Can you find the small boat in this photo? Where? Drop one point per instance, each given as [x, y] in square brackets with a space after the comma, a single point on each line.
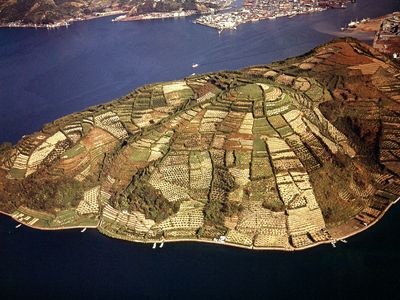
[84, 229]
[352, 24]
[192, 74]
[118, 18]
[195, 65]
[162, 244]
[343, 241]
[220, 239]
[333, 244]
[18, 226]
[154, 245]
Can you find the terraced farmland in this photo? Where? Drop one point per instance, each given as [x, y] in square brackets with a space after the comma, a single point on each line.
[284, 156]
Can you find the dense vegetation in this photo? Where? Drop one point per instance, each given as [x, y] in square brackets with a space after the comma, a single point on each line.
[165, 6]
[273, 204]
[5, 146]
[143, 197]
[43, 193]
[218, 207]
[151, 202]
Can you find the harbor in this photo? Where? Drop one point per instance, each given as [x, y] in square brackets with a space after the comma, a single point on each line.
[256, 10]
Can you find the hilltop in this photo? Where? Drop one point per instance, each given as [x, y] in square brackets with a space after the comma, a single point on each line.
[282, 156]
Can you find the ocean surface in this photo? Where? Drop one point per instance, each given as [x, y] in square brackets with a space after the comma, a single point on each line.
[47, 74]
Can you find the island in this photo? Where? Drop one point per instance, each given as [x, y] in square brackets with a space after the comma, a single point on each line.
[284, 156]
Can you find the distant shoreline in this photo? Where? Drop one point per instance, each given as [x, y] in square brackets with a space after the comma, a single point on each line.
[60, 24]
[364, 30]
[156, 16]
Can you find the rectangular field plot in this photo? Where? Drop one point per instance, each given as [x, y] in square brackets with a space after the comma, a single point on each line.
[271, 240]
[262, 127]
[236, 237]
[257, 219]
[110, 122]
[261, 168]
[74, 151]
[305, 156]
[242, 159]
[259, 145]
[303, 220]
[16, 173]
[177, 92]
[135, 221]
[140, 154]
[43, 150]
[172, 192]
[33, 217]
[189, 217]
[89, 204]
[200, 170]
[300, 240]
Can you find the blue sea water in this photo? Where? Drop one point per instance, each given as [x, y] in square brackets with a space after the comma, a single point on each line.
[74, 265]
[47, 74]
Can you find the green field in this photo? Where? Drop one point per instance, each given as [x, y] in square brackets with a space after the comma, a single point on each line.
[74, 151]
[140, 154]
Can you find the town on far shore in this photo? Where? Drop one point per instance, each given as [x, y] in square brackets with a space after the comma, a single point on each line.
[218, 14]
[256, 10]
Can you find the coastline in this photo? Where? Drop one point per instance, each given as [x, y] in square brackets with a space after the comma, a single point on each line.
[48, 228]
[333, 240]
[233, 19]
[157, 16]
[193, 238]
[64, 23]
[366, 29]
[71, 264]
[291, 249]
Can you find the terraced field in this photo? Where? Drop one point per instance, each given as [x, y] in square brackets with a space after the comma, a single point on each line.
[284, 156]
